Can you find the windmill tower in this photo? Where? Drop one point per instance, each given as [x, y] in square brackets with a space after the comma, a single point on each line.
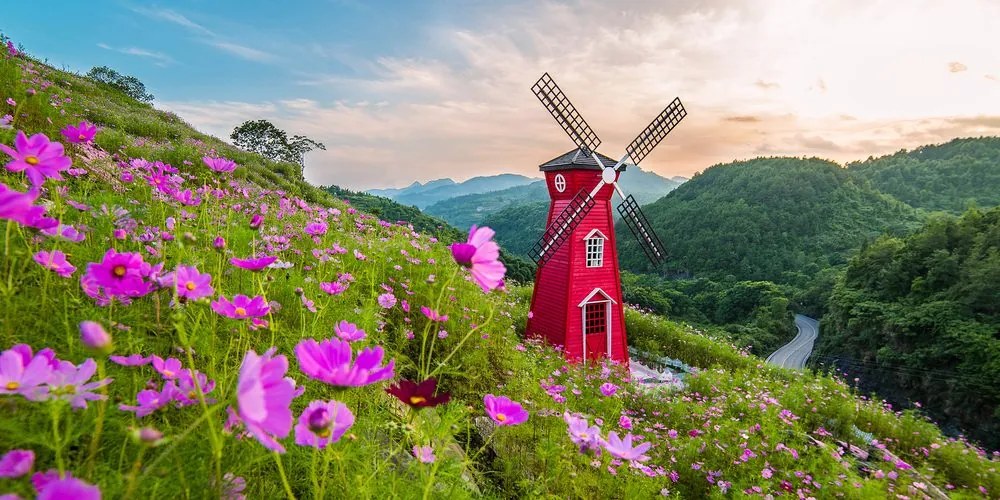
[577, 300]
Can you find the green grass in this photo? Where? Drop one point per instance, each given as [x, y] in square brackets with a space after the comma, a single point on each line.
[483, 353]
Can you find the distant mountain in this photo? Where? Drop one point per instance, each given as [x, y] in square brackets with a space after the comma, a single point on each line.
[463, 211]
[422, 195]
[768, 219]
[949, 177]
[679, 179]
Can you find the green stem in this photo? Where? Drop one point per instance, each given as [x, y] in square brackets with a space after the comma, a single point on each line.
[56, 442]
[99, 424]
[177, 440]
[425, 364]
[130, 483]
[216, 443]
[443, 363]
[284, 478]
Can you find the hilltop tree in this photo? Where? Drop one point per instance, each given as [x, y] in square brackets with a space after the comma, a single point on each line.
[269, 141]
[127, 84]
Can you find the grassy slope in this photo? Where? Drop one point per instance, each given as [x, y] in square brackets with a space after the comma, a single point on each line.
[723, 402]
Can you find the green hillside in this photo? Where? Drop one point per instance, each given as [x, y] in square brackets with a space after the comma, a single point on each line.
[951, 177]
[768, 219]
[221, 393]
[918, 319]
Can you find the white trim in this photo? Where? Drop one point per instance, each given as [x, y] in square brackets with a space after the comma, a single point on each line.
[607, 328]
[593, 232]
[607, 298]
[559, 182]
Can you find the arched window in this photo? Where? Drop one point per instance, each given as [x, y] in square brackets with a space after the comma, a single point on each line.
[594, 248]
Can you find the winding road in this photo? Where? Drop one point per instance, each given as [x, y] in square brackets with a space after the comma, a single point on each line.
[795, 353]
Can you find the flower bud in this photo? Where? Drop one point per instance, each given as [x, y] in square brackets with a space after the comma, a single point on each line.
[93, 335]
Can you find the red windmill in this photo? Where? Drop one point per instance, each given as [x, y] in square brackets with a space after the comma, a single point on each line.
[577, 300]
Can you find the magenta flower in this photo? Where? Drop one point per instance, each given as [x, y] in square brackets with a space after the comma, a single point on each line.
[169, 368]
[94, 336]
[26, 374]
[19, 207]
[387, 300]
[219, 242]
[254, 263]
[349, 331]
[221, 165]
[55, 261]
[121, 274]
[37, 157]
[433, 315]
[151, 400]
[330, 361]
[188, 283]
[503, 411]
[585, 436]
[333, 287]
[187, 391]
[241, 307]
[263, 397]
[481, 255]
[70, 383]
[608, 389]
[623, 449]
[56, 488]
[256, 221]
[424, 454]
[131, 360]
[82, 133]
[316, 228]
[17, 463]
[322, 423]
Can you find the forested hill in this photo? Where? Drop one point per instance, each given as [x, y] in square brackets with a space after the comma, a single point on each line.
[950, 177]
[768, 219]
[918, 319]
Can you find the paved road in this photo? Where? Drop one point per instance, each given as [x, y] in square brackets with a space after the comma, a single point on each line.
[795, 353]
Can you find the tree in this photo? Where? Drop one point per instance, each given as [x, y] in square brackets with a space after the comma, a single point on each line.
[263, 138]
[127, 84]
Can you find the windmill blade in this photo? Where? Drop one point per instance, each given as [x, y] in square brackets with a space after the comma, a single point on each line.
[643, 232]
[565, 113]
[561, 228]
[656, 131]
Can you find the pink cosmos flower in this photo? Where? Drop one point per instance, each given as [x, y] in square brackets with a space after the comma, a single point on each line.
[241, 307]
[433, 315]
[623, 449]
[349, 331]
[584, 435]
[330, 362]
[188, 283]
[131, 360]
[169, 368]
[82, 133]
[322, 423]
[221, 165]
[254, 263]
[316, 228]
[19, 207]
[264, 395]
[24, 373]
[56, 488]
[187, 391]
[55, 261]
[70, 383]
[151, 400]
[424, 454]
[481, 255]
[503, 411]
[608, 389]
[387, 300]
[94, 336]
[219, 242]
[37, 157]
[256, 221]
[16, 463]
[333, 287]
[121, 274]
[766, 473]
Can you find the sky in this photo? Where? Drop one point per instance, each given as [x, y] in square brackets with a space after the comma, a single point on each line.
[413, 91]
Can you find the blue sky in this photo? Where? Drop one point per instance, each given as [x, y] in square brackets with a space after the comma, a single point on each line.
[404, 91]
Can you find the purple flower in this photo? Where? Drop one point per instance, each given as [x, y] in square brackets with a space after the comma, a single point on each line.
[584, 435]
[241, 307]
[766, 473]
[94, 336]
[316, 228]
[26, 374]
[333, 287]
[233, 487]
[82, 133]
[188, 283]
[151, 400]
[264, 395]
[38, 157]
[70, 383]
[322, 423]
[330, 362]
[481, 255]
[19, 207]
[187, 391]
[221, 165]
[433, 315]
[219, 242]
[121, 274]
[424, 454]
[503, 411]
[17, 463]
[623, 449]
[56, 488]
[131, 360]
[55, 261]
[609, 389]
[254, 263]
[349, 331]
[387, 300]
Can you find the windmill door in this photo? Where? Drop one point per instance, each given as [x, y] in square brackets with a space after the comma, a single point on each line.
[596, 330]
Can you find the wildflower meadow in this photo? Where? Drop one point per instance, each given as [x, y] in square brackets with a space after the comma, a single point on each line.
[182, 319]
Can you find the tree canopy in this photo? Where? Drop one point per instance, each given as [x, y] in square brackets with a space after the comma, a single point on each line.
[127, 84]
[269, 141]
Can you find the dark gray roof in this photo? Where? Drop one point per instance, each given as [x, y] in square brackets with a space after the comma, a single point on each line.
[577, 159]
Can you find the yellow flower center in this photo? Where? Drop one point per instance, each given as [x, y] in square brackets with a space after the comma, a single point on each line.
[12, 386]
[190, 286]
[119, 271]
[31, 160]
[168, 373]
[324, 433]
[82, 137]
[192, 395]
[501, 417]
[415, 400]
[240, 311]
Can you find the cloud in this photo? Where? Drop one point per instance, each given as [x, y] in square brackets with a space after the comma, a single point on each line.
[741, 119]
[175, 18]
[206, 35]
[956, 67]
[160, 58]
[766, 85]
[241, 51]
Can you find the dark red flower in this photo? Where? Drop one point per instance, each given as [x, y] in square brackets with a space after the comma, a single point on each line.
[418, 395]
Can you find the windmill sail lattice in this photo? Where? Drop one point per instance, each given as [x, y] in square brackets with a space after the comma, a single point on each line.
[656, 131]
[562, 226]
[636, 221]
[565, 113]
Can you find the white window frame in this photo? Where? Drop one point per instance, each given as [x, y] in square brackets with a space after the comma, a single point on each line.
[593, 248]
[597, 296]
[559, 182]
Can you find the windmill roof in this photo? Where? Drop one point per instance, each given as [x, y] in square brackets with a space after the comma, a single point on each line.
[577, 159]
